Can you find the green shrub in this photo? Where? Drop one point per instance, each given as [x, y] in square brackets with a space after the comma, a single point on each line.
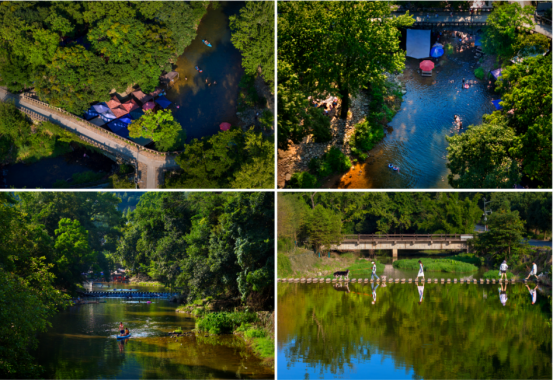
[319, 124]
[336, 160]
[255, 333]
[303, 180]
[266, 119]
[366, 136]
[179, 330]
[435, 265]
[320, 167]
[479, 73]
[264, 347]
[469, 258]
[223, 322]
[285, 244]
[363, 157]
[284, 266]
[121, 182]
[448, 49]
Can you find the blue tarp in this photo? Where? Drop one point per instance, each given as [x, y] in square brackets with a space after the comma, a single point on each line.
[436, 51]
[125, 119]
[497, 73]
[101, 108]
[136, 114]
[496, 103]
[119, 128]
[90, 113]
[478, 41]
[107, 116]
[163, 101]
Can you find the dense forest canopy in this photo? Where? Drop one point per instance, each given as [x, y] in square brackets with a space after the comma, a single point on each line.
[75, 52]
[202, 244]
[320, 218]
[514, 143]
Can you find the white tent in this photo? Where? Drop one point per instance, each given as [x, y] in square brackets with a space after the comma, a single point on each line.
[418, 43]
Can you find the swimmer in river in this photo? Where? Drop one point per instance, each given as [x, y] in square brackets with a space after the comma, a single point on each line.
[215, 83]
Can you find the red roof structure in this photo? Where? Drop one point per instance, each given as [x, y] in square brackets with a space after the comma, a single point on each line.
[113, 103]
[119, 111]
[130, 105]
[141, 97]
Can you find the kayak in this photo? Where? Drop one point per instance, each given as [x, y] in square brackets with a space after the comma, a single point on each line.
[123, 337]
[207, 43]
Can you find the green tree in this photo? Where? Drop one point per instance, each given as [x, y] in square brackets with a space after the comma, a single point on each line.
[503, 25]
[504, 237]
[479, 158]
[158, 126]
[323, 228]
[338, 47]
[253, 33]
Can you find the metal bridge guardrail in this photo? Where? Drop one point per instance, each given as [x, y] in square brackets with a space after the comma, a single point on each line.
[406, 237]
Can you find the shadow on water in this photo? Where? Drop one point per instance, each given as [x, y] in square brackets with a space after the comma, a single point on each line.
[203, 108]
[415, 139]
[406, 331]
[81, 344]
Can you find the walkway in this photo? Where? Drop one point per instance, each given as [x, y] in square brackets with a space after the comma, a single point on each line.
[465, 17]
[150, 166]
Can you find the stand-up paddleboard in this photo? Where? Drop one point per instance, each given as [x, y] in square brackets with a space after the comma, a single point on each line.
[123, 337]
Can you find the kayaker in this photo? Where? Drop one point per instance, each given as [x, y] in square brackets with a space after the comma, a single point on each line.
[121, 330]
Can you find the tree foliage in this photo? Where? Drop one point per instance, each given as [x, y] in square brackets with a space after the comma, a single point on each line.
[253, 33]
[158, 126]
[231, 158]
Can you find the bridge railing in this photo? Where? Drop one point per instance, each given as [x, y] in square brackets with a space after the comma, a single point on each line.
[89, 125]
[405, 237]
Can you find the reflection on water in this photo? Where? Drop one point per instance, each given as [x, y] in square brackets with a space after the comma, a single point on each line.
[82, 345]
[203, 107]
[416, 142]
[400, 331]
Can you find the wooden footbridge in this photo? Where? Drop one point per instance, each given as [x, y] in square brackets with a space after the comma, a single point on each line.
[397, 242]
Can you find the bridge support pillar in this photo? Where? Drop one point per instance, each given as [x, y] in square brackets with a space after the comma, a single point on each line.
[394, 254]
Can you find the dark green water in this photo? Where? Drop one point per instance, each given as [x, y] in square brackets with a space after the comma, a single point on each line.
[81, 345]
[456, 332]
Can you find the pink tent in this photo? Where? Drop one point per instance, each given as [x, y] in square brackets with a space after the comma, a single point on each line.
[224, 126]
[119, 111]
[130, 105]
[148, 106]
[113, 103]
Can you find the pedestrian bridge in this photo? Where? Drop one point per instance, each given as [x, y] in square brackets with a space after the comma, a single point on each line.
[127, 294]
[397, 242]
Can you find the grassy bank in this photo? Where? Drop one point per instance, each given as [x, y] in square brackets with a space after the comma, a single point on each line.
[149, 284]
[246, 324]
[304, 263]
[362, 269]
[445, 265]
[493, 274]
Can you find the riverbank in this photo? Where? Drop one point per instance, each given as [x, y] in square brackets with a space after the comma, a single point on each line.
[304, 263]
[297, 158]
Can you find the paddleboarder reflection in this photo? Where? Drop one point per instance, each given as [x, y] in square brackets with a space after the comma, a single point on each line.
[374, 287]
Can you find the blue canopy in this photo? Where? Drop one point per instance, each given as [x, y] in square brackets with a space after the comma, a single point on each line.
[119, 128]
[107, 116]
[163, 101]
[436, 51]
[90, 113]
[101, 108]
[497, 73]
[136, 114]
[496, 104]
[125, 119]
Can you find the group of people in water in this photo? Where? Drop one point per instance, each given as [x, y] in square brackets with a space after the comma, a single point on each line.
[122, 330]
[394, 167]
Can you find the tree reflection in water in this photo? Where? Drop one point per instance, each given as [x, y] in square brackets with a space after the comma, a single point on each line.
[450, 331]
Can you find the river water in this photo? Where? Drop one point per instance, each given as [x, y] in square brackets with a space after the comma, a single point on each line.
[203, 108]
[415, 140]
[456, 332]
[82, 344]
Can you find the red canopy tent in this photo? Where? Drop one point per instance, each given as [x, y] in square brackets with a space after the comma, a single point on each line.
[130, 105]
[113, 103]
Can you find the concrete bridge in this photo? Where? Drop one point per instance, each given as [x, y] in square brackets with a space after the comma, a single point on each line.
[125, 294]
[441, 19]
[397, 242]
[150, 164]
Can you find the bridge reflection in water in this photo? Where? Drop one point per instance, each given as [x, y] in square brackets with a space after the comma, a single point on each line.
[408, 331]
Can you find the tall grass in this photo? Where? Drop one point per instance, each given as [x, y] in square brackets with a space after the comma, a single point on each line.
[362, 269]
[493, 274]
[445, 265]
[284, 266]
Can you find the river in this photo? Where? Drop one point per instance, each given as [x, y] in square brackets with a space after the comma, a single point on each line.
[82, 344]
[203, 108]
[415, 139]
[456, 332]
